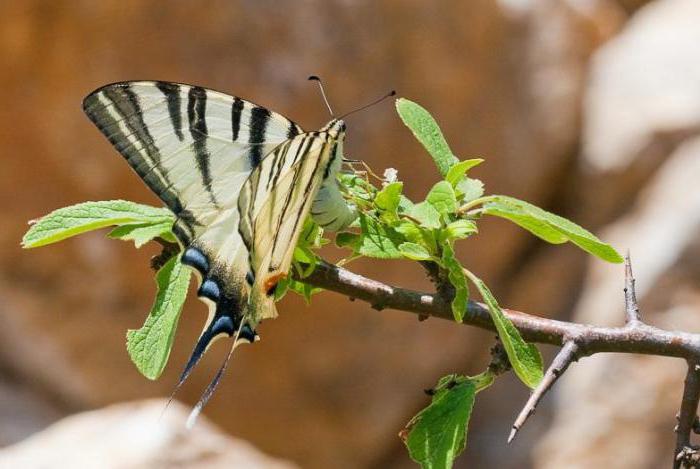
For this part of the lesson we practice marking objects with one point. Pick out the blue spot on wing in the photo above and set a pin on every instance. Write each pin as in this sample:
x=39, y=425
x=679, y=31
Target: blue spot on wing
x=195, y=258
x=210, y=289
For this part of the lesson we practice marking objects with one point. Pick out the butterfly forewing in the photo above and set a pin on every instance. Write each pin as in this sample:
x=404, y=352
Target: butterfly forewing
x=195, y=148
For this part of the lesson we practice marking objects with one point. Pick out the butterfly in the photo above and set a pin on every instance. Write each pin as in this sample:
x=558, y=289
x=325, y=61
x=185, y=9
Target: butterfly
x=240, y=179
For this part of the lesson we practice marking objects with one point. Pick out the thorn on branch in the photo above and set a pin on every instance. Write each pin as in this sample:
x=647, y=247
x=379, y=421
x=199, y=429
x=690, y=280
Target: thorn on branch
x=567, y=355
x=631, y=305
x=685, y=455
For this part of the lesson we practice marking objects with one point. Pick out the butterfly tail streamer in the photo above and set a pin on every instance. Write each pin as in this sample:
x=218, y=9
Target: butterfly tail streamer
x=209, y=391
x=214, y=330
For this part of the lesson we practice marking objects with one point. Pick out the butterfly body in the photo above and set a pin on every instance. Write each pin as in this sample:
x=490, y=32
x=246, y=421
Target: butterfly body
x=240, y=179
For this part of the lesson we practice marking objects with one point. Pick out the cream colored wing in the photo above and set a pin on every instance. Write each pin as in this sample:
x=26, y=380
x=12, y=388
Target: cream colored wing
x=274, y=202
x=195, y=148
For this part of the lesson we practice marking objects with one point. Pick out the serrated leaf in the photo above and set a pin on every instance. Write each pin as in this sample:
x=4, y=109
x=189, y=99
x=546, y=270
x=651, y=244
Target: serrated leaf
x=458, y=170
x=425, y=214
x=388, y=198
x=460, y=229
x=149, y=347
x=378, y=240
x=442, y=197
x=469, y=189
x=455, y=274
x=143, y=233
x=438, y=433
x=548, y=226
x=428, y=133
x=414, y=252
x=525, y=358
x=76, y=219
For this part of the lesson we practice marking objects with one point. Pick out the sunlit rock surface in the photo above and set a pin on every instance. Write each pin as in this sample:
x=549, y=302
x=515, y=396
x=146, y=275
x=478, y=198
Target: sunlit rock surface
x=643, y=116
x=135, y=435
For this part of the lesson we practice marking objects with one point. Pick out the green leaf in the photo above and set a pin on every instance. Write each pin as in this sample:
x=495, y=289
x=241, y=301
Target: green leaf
x=149, y=347
x=414, y=252
x=455, y=274
x=389, y=197
x=378, y=240
x=427, y=132
x=409, y=230
x=458, y=170
x=405, y=204
x=348, y=240
x=288, y=284
x=460, y=229
x=548, y=226
x=438, y=434
x=357, y=187
x=76, y=219
x=425, y=214
x=525, y=358
x=143, y=233
x=469, y=189
x=442, y=197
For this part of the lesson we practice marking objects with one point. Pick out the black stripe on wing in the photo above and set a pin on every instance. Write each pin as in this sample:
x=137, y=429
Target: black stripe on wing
x=259, y=116
x=236, y=110
x=171, y=91
x=196, y=115
x=306, y=195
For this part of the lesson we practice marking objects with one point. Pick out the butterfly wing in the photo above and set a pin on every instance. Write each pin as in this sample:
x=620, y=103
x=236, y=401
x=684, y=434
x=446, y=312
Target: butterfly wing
x=195, y=148
x=274, y=202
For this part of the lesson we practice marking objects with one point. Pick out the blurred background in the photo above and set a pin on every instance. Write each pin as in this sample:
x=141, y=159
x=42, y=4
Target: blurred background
x=589, y=108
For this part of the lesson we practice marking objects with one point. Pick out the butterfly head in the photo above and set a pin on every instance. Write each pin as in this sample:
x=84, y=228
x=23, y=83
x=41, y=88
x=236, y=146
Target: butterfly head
x=335, y=128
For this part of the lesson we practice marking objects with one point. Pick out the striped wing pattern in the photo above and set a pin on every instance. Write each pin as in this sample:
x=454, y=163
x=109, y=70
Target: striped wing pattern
x=195, y=148
x=275, y=201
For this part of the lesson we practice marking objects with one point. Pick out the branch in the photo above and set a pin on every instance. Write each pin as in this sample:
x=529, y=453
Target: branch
x=590, y=339
x=578, y=340
x=561, y=362
x=685, y=454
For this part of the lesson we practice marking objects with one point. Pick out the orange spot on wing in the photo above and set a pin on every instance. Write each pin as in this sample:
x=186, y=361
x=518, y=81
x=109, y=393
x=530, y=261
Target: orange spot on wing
x=272, y=281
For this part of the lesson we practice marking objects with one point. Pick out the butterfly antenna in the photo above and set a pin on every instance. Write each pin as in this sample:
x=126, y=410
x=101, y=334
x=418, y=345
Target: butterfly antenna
x=323, y=93
x=206, y=395
x=376, y=101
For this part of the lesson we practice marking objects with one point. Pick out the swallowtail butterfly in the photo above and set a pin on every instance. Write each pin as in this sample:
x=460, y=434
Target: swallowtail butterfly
x=240, y=179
